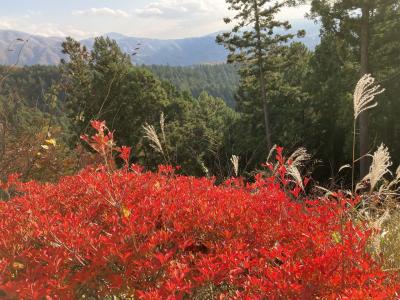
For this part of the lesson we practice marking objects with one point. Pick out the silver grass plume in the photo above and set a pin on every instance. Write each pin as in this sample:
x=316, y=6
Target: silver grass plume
x=379, y=167
x=203, y=167
x=365, y=93
x=294, y=172
x=235, y=163
x=298, y=157
x=152, y=136
x=294, y=162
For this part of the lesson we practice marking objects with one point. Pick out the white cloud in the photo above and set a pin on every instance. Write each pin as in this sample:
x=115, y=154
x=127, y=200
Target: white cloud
x=207, y=9
x=6, y=24
x=104, y=11
x=170, y=9
x=180, y=18
x=54, y=30
x=47, y=29
x=291, y=13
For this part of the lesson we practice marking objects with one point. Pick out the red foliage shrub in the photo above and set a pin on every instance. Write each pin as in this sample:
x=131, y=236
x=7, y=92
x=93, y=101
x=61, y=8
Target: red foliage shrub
x=149, y=235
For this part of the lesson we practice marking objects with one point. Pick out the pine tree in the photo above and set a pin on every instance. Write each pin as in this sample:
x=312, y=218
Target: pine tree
x=288, y=104
x=93, y=80
x=253, y=42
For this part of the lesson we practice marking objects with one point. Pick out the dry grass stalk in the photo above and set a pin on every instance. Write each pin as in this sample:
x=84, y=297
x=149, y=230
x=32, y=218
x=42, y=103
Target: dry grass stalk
x=203, y=167
x=270, y=153
x=162, y=125
x=235, y=163
x=379, y=233
x=344, y=167
x=397, y=178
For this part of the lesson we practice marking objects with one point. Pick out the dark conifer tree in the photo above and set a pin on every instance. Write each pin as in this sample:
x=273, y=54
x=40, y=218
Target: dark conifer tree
x=352, y=20
x=255, y=43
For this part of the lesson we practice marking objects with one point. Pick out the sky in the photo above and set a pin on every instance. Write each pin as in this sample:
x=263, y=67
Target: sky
x=163, y=19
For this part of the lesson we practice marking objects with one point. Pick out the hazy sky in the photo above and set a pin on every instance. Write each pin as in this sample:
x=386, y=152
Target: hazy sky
x=142, y=18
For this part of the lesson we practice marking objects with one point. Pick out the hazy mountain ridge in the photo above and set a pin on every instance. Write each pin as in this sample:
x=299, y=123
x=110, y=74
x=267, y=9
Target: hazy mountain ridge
x=179, y=52
x=173, y=52
x=27, y=49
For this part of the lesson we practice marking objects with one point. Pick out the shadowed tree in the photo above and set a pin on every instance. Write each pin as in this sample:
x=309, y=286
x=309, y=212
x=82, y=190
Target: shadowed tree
x=352, y=20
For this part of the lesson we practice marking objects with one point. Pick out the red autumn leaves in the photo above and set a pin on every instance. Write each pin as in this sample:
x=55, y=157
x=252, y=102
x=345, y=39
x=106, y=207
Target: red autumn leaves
x=146, y=235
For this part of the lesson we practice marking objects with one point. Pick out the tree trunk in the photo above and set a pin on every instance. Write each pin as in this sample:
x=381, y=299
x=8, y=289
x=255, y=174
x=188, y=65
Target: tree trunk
x=262, y=83
x=363, y=121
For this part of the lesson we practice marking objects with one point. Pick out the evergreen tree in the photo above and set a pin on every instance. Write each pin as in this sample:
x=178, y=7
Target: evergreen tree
x=254, y=42
x=289, y=104
x=93, y=80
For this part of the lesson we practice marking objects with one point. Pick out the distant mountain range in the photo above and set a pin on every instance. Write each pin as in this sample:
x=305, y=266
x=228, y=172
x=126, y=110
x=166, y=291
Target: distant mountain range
x=27, y=49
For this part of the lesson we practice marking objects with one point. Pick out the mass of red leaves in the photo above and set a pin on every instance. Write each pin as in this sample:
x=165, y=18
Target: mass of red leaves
x=143, y=235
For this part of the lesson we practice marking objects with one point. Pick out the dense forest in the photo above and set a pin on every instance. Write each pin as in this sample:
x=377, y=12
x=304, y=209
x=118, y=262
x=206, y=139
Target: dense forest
x=219, y=80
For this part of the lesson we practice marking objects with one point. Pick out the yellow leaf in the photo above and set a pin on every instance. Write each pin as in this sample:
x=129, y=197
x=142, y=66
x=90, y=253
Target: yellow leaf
x=157, y=185
x=51, y=142
x=337, y=238
x=126, y=212
x=18, y=266
x=45, y=147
